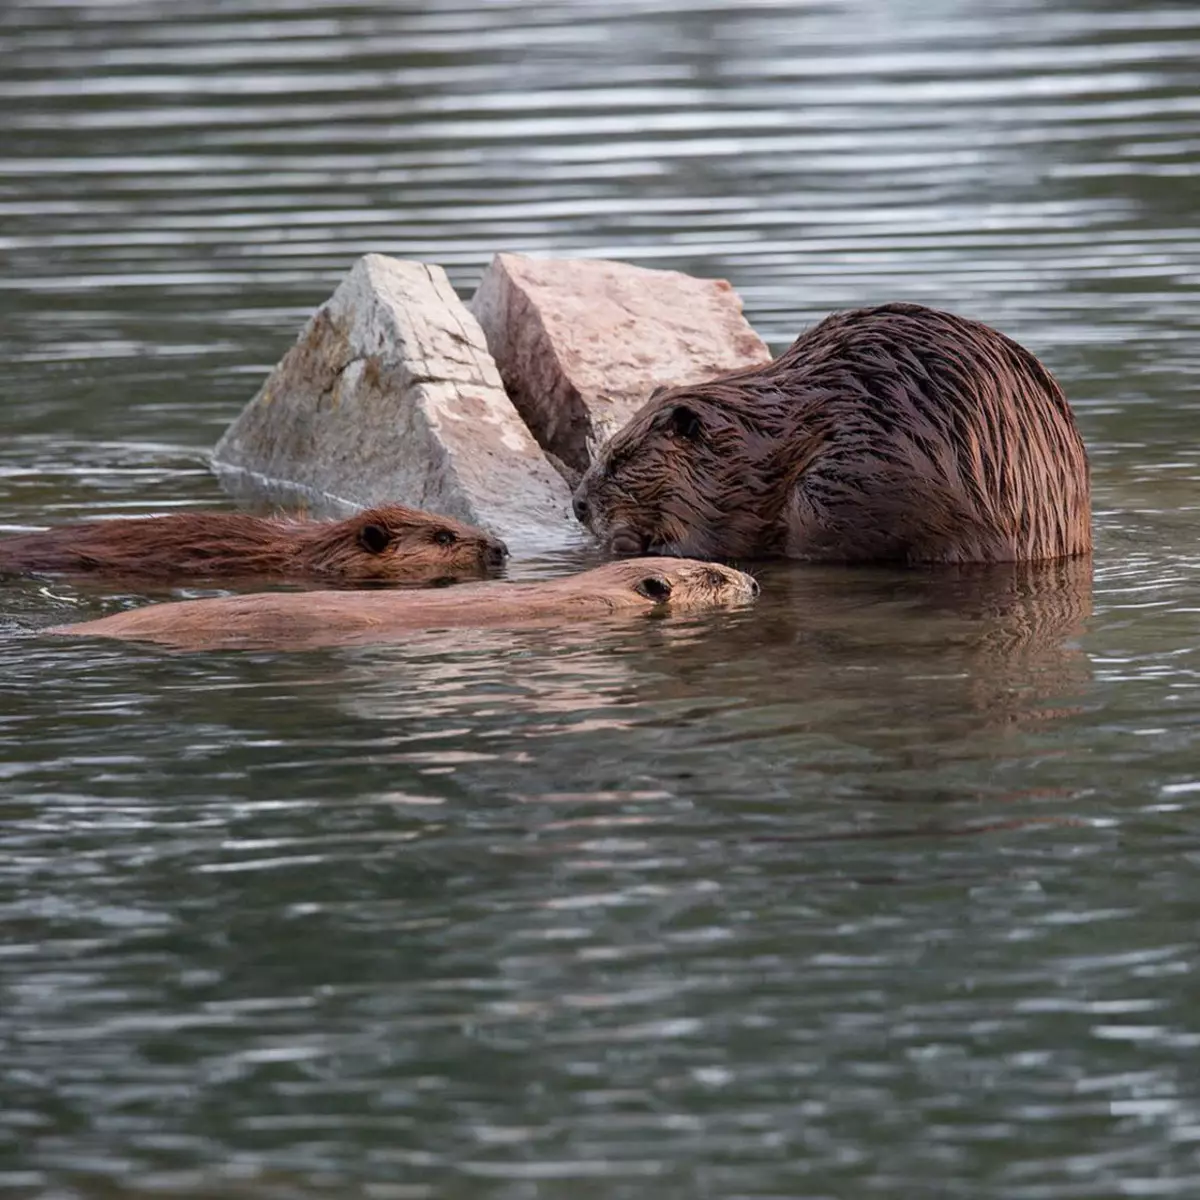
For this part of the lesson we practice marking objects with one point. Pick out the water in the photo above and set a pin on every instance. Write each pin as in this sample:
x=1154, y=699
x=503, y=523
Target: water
x=887, y=887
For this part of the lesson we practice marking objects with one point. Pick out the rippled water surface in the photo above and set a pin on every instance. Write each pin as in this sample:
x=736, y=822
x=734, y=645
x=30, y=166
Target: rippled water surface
x=887, y=887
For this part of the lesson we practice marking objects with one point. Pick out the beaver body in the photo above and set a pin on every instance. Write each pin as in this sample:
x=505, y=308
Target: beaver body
x=389, y=544
x=297, y=620
x=889, y=434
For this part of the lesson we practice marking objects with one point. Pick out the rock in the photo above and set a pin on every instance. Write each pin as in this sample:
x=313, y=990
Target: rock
x=581, y=343
x=390, y=394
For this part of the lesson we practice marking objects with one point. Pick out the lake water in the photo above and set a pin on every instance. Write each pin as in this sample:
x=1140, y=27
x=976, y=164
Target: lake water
x=889, y=887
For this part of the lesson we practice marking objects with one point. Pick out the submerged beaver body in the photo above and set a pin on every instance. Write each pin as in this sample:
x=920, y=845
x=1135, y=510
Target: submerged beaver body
x=890, y=434
x=385, y=545
x=297, y=620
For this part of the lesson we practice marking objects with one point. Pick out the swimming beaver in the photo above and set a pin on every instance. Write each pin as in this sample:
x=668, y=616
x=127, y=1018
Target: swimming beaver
x=388, y=544
x=305, y=619
x=889, y=434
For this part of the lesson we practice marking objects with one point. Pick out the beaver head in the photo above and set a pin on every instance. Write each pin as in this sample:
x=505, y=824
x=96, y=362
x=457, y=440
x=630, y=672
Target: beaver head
x=697, y=468
x=679, y=584
x=394, y=544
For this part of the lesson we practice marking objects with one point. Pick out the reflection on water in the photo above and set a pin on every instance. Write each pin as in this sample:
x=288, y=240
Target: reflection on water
x=888, y=880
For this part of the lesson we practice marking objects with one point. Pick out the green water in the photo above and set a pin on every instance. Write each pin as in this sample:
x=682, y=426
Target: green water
x=888, y=887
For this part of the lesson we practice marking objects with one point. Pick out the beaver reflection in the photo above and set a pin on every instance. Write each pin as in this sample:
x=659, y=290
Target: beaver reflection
x=941, y=647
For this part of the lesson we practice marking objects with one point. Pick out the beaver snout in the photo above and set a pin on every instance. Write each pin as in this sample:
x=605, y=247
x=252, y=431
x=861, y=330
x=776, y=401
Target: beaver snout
x=579, y=505
x=626, y=544
x=496, y=554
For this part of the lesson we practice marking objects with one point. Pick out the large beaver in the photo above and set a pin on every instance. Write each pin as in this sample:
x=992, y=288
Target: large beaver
x=890, y=434
x=294, y=620
x=384, y=545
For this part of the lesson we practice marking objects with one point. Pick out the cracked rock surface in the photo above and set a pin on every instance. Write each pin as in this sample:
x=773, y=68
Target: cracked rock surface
x=390, y=393
x=581, y=343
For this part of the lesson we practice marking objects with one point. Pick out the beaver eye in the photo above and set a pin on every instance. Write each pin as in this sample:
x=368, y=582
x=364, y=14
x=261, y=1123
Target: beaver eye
x=714, y=579
x=684, y=423
x=444, y=537
x=374, y=539
x=654, y=588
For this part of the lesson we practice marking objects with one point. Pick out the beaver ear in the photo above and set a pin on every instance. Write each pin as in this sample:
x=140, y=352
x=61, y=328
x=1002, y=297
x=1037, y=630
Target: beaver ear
x=685, y=423
x=374, y=539
x=661, y=390
x=653, y=588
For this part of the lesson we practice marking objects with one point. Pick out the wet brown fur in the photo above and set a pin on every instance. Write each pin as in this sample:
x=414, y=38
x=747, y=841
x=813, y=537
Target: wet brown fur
x=389, y=544
x=889, y=434
x=296, y=620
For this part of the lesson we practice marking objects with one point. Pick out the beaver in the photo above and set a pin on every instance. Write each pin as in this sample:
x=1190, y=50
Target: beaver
x=305, y=619
x=384, y=545
x=889, y=434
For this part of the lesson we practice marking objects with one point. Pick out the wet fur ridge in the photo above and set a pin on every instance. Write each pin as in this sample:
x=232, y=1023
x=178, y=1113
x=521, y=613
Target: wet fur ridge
x=387, y=544
x=889, y=434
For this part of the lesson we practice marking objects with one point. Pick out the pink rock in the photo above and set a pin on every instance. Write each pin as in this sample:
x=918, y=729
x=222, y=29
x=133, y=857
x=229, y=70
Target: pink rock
x=390, y=394
x=581, y=343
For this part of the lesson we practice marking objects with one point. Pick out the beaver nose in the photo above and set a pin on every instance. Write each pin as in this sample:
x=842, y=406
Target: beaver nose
x=580, y=505
x=754, y=588
x=497, y=552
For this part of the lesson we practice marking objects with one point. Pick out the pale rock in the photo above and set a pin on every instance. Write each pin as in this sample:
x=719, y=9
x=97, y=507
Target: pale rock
x=390, y=394
x=581, y=343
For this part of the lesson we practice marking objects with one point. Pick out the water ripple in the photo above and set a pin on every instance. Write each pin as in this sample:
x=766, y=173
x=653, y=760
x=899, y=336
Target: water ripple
x=888, y=880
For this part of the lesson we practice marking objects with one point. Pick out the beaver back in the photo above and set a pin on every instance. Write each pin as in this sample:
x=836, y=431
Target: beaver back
x=387, y=544
x=896, y=433
x=306, y=619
